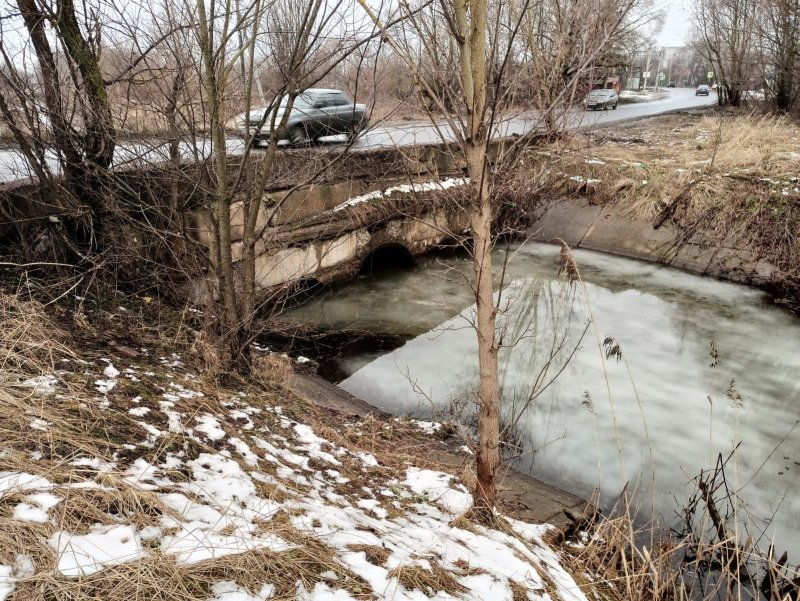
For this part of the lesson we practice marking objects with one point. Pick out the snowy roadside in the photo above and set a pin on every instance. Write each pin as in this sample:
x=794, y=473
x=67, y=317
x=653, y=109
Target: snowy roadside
x=133, y=478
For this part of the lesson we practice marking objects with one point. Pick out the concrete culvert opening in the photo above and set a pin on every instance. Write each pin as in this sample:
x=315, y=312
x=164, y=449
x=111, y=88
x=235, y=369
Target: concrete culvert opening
x=387, y=258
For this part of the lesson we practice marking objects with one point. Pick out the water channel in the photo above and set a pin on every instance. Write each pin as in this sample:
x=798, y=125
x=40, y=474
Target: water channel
x=705, y=366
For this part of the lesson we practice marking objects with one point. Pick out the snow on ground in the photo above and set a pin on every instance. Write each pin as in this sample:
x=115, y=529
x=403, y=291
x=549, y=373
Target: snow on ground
x=251, y=479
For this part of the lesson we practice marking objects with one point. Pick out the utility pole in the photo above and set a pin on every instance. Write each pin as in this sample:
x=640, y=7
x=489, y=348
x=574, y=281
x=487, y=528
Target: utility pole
x=658, y=68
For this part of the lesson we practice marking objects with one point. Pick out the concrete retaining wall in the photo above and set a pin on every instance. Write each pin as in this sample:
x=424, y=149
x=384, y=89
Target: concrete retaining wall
x=611, y=229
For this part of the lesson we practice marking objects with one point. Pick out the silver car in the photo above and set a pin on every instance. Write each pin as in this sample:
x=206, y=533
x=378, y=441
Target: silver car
x=601, y=99
x=316, y=113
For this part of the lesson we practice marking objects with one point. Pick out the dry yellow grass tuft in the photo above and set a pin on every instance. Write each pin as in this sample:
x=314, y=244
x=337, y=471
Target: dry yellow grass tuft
x=429, y=581
x=30, y=342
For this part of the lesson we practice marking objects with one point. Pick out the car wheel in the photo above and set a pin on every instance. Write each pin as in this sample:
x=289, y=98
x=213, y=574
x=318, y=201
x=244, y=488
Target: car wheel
x=298, y=136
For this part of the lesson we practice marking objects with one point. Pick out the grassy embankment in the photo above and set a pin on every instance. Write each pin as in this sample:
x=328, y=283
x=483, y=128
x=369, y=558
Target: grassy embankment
x=731, y=178
x=131, y=471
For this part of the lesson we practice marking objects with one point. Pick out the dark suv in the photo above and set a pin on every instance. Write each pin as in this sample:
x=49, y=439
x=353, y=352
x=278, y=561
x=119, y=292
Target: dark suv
x=702, y=90
x=316, y=112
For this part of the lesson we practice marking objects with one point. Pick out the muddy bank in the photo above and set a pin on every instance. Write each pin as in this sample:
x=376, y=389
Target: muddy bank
x=523, y=496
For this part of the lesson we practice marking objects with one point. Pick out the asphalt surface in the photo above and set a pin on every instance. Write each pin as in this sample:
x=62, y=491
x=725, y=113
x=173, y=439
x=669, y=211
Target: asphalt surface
x=410, y=133
x=423, y=132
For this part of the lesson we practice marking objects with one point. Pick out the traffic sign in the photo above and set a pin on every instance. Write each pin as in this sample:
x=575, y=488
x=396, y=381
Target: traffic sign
x=710, y=75
x=646, y=74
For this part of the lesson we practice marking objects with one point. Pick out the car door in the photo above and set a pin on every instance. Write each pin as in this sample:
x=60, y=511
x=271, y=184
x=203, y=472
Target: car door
x=324, y=114
x=342, y=113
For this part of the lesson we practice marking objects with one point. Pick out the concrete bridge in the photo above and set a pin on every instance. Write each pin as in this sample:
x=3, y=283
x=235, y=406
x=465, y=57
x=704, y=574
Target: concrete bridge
x=337, y=231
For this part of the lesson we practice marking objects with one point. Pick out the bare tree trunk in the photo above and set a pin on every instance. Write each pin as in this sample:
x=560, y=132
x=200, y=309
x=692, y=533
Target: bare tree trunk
x=470, y=21
x=487, y=460
x=215, y=75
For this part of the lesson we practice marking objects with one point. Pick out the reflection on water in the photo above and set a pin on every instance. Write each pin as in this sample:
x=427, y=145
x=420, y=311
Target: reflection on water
x=674, y=411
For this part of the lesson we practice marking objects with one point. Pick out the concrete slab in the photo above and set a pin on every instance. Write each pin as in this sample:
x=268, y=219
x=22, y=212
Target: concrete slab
x=568, y=221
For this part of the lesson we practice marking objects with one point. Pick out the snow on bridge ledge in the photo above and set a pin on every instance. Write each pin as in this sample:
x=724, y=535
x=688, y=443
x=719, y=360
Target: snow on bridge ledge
x=415, y=188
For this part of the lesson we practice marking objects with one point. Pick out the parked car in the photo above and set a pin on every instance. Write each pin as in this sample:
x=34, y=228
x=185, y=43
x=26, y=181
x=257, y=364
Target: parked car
x=601, y=99
x=315, y=113
x=702, y=90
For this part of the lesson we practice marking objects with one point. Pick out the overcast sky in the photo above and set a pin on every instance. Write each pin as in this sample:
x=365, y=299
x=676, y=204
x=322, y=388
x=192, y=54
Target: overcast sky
x=677, y=25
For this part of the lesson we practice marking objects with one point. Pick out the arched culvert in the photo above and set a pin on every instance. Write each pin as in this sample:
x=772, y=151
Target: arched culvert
x=387, y=257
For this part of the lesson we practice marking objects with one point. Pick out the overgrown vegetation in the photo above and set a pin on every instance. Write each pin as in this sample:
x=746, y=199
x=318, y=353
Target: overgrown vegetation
x=733, y=179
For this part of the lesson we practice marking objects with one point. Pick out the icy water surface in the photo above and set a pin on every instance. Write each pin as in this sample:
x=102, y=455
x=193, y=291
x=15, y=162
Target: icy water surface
x=705, y=366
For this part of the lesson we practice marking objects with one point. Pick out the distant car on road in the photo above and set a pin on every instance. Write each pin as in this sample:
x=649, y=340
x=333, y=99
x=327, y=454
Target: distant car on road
x=316, y=112
x=601, y=99
x=702, y=90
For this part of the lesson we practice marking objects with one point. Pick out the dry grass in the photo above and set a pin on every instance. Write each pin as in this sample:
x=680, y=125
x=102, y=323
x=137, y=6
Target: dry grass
x=272, y=369
x=30, y=342
x=161, y=578
x=733, y=180
x=647, y=563
x=429, y=581
x=72, y=425
x=375, y=555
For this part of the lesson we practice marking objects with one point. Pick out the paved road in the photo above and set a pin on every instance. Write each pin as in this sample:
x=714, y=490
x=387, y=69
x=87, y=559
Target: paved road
x=422, y=132
x=13, y=166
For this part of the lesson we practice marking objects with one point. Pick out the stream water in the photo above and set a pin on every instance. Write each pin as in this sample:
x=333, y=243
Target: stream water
x=705, y=367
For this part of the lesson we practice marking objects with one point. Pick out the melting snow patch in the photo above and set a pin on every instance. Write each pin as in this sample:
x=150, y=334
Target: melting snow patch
x=373, y=506
x=435, y=486
x=192, y=544
x=39, y=424
x=90, y=553
x=368, y=459
x=209, y=425
x=37, y=508
x=42, y=385
x=428, y=427
x=110, y=371
x=21, y=481
x=584, y=180
x=104, y=386
x=95, y=463
x=6, y=582
x=227, y=590
x=139, y=411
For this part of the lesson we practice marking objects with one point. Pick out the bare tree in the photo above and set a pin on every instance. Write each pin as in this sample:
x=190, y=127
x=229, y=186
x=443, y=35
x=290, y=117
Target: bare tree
x=475, y=44
x=779, y=33
x=728, y=32
x=66, y=97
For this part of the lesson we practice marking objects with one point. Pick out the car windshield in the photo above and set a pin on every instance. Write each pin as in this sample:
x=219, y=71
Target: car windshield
x=600, y=93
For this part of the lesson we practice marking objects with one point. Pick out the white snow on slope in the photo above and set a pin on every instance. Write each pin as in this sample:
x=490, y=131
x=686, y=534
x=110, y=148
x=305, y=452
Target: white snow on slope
x=225, y=500
x=90, y=553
